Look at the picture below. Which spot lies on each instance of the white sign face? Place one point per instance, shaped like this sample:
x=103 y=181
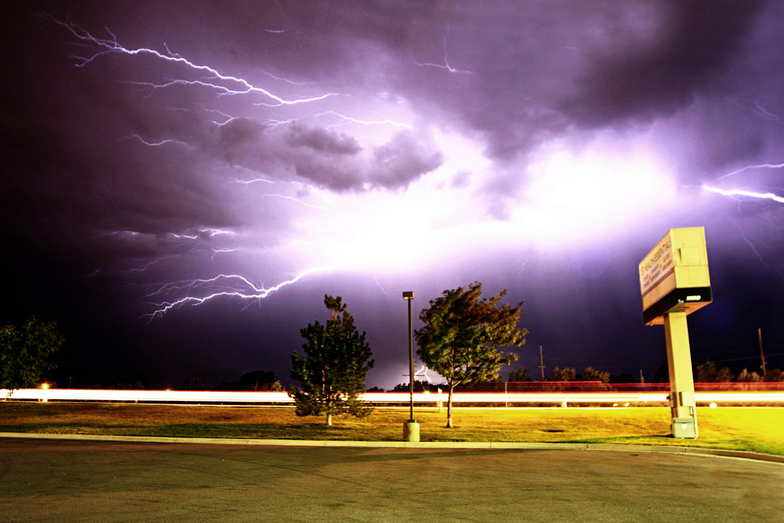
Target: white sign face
x=657 y=265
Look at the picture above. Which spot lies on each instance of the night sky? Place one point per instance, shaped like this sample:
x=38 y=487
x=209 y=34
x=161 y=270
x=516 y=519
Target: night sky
x=181 y=182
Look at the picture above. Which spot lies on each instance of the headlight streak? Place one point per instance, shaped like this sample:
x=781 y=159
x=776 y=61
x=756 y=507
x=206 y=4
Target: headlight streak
x=570 y=398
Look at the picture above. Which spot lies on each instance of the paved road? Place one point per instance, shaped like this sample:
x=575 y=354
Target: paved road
x=62 y=480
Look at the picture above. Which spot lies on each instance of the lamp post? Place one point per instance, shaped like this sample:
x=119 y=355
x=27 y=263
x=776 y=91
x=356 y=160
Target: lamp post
x=411 y=427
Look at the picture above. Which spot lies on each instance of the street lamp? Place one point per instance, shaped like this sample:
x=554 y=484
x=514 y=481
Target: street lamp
x=409 y=296
x=411 y=427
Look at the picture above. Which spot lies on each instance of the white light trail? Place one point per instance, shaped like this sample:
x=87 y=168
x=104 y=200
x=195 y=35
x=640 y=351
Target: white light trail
x=163 y=396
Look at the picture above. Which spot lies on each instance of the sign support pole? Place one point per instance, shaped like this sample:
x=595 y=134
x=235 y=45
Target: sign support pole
x=675 y=281
x=682 y=404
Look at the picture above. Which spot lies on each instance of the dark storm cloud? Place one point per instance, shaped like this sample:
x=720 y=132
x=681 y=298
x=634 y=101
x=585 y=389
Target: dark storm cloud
x=322 y=140
x=390 y=166
x=526 y=73
x=698 y=41
x=402 y=160
x=325 y=157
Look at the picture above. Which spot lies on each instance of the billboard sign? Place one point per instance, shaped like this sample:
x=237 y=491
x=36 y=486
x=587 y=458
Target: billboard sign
x=674 y=275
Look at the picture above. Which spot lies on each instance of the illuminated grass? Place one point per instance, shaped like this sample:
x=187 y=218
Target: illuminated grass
x=754 y=429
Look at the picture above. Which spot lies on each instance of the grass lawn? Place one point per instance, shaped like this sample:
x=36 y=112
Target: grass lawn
x=754 y=429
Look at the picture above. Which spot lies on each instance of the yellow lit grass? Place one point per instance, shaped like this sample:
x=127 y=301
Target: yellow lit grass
x=756 y=429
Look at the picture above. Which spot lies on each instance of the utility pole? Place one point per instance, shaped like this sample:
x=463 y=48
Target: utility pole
x=762 y=354
x=541 y=361
x=642 y=378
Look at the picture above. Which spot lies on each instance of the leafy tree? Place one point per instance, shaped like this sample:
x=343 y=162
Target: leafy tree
x=419 y=385
x=565 y=374
x=707 y=373
x=662 y=374
x=461 y=334
x=748 y=377
x=135 y=381
x=24 y=350
x=622 y=378
x=521 y=374
x=258 y=380
x=193 y=384
x=773 y=375
x=332 y=370
x=592 y=374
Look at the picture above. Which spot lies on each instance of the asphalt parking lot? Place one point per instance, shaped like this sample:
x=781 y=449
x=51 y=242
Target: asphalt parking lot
x=74 y=480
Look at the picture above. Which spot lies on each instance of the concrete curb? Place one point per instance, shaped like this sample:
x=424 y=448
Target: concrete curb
x=405 y=444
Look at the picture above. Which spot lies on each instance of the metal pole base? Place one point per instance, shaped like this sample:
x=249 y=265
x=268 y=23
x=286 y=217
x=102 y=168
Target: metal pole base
x=684 y=428
x=411 y=431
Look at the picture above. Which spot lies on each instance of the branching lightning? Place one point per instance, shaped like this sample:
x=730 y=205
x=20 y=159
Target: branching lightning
x=445 y=65
x=233 y=285
x=102 y=47
x=750 y=167
x=741 y=192
x=423 y=372
x=153 y=144
x=207 y=243
x=345 y=120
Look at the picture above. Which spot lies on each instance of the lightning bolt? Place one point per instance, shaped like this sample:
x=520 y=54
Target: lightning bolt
x=754 y=250
x=102 y=47
x=216 y=252
x=423 y=372
x=345 y=120
x=153 y=144
x=315 y=190
x=207 y=242
x=765 y=113
x=741 y=192
x=750 y=167
x=211 y=232
x=445 y=66
x=235 y=285
x=737 y=193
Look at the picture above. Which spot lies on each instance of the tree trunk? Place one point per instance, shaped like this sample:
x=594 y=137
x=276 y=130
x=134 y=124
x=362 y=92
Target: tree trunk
x=329 y=419
x=449 y=407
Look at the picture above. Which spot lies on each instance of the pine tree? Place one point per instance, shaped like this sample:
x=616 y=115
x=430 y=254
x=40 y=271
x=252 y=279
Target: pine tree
x=461 y=334
x=332 y=370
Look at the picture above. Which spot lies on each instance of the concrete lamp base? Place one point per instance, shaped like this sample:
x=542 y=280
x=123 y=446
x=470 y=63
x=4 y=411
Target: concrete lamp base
x=411 y=431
